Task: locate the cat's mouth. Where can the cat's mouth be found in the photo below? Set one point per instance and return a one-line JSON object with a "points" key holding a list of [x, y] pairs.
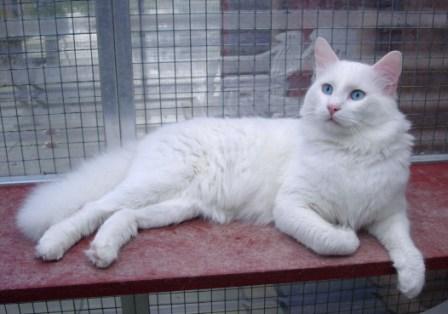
{"points": [[332, 120]]}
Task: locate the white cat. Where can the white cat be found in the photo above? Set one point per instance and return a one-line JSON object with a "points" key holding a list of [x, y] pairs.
{"points": [[342, 166]]}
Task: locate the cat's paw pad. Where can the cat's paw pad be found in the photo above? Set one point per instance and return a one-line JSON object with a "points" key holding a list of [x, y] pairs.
{"points": [[411, 280], [101, 255], [49, 250]]}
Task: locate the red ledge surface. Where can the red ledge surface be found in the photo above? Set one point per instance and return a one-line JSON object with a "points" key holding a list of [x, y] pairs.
{"points": [[198, 254]]}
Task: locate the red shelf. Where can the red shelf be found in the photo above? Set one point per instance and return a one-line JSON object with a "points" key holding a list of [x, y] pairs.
{"points": [[198, 254]]}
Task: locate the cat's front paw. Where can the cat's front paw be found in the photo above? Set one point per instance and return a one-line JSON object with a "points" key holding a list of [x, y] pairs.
{"points": [[101, 255], [341, 241], [348, 242], [411, 278]]}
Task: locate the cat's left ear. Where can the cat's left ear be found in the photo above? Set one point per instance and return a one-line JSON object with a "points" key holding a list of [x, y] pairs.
{"points": [[389, 69], [324, 56]]}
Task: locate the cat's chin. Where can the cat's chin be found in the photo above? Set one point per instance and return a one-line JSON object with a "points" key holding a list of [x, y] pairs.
{"points": [[335, 127], [332, 121], [326, 124], [334, 124]]}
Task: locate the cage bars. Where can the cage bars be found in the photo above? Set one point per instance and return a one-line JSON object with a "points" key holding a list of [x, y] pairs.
{"points": [[115, 56]]}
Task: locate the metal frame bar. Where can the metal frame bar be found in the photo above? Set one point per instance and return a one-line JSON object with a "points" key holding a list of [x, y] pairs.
{"points": [[19, 180], [115, 63], [106, 56], [124, 74], [22, 180], [135, 304], [429, 158], [439, 309]]}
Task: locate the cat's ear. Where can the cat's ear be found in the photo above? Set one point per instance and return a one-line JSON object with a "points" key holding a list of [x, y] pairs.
{"points": [[389, 70], [324, 56]]}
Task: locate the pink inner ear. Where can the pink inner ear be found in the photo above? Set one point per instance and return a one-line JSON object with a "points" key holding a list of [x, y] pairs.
{"points": [[324, 56], [389, 68]]}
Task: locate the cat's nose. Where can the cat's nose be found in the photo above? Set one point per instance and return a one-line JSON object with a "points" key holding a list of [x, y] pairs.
{"points": [[332, 108]]}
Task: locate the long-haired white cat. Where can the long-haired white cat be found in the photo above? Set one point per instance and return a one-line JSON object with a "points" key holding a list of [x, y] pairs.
{"points": [[342, 166]]}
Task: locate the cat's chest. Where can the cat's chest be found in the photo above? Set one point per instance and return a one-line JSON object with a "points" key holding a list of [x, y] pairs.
{"points": [[344, 189], [343, 180]]}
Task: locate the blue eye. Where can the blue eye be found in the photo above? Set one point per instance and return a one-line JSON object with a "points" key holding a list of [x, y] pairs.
{"points": [[357, 94], [327, 89]]}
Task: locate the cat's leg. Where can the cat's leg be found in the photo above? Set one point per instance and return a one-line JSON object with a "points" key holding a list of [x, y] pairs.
{"points": [[124, 224], [63, 235], [152, 178], [307, 227], [393, 232]]}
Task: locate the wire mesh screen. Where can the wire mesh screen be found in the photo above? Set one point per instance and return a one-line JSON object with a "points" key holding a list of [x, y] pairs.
{"points": [[193, 58], [242, 58], [106, 305], [373, 295], [50, 105]]}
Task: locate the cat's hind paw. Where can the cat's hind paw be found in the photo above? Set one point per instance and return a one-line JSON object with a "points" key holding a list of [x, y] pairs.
{"points": [[101, 256], [49, 250]]}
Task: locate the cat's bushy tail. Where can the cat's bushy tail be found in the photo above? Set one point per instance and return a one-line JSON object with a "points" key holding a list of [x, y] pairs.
{"points": [[51, 202]]}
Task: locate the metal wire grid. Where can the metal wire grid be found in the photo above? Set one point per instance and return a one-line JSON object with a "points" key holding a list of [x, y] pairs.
{"points": [[200, 58], [375, 295], [51, 115], [173, 61], [241, 58], [106, 305]]}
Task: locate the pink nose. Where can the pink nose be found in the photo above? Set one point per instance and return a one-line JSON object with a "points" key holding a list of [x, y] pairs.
{"points": [[332, 108]]}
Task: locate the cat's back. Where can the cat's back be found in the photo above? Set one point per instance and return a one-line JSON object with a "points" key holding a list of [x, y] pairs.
{"points": [[222, 135], [236, 165]]}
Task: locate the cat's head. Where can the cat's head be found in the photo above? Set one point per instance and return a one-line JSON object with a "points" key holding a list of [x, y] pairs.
{"points": [[347, 96]]}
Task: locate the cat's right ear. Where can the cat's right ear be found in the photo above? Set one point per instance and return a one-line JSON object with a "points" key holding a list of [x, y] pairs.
{"points": [[324, 56]]}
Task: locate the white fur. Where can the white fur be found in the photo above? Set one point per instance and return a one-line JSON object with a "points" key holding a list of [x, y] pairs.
{"points": [[318, 179]]}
